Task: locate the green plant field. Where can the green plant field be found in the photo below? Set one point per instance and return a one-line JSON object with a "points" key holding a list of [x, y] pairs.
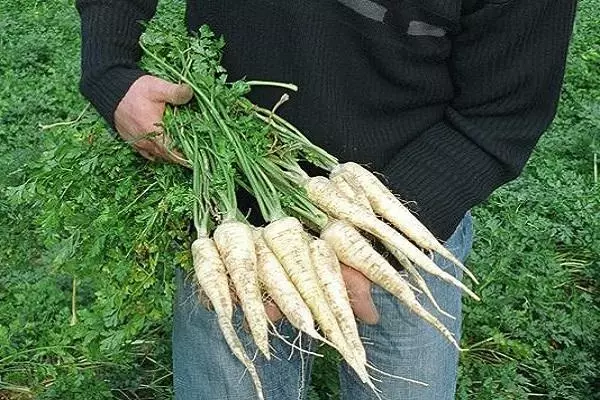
{"points": [[90, 235]]}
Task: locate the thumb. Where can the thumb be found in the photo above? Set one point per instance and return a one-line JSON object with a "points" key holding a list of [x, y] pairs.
{"points": [[359, 292], [176, 94]]}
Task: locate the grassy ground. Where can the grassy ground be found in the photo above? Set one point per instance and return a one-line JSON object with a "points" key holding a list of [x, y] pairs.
{"points": [[76, 217]]}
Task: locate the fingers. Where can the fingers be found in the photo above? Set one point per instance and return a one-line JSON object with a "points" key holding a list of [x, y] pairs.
{"points": [[164, 148], [176, 94], [158, 146], [139, 114], [162, 91], [273, 311], [146, 155], [359, 292], [148, 149], [168, 152]]}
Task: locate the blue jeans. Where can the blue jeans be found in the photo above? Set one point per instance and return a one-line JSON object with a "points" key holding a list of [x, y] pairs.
{"points": [[400, 344]]}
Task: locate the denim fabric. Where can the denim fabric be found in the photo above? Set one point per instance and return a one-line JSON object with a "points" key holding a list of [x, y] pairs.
{"points": [[404, 345], [400, 344]]}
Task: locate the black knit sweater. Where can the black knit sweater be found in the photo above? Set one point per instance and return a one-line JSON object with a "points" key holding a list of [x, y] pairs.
{"points": [[446, 98]]}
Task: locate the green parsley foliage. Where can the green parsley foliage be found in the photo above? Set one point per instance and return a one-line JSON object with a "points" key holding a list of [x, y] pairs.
{"points": [[80, 209]]}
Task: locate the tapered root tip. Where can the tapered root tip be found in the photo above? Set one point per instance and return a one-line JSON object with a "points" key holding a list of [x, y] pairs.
{"points": [[471, 294], [455, 343], [444, 313], [437, 306], [450, 338], [462, 286], [371, 366], [447, 254], [451, 279], [469, 273]]}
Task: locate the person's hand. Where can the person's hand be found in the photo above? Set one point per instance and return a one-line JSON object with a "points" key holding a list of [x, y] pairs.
{"points": [[359, 292], [273, 312], [139, 115]]}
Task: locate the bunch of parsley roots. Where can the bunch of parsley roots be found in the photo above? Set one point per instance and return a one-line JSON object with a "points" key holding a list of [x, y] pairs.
{"points": [[313, 223]]}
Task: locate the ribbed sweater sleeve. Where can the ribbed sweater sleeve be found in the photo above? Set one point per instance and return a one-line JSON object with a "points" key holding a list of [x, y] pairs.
{"points": [[507, 67], [110, 31]]}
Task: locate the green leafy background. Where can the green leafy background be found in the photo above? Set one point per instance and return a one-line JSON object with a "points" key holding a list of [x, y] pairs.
{"points": [[81, 210]]}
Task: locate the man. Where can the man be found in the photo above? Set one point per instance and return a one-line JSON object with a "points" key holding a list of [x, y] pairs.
{"points": [[446, 98]]}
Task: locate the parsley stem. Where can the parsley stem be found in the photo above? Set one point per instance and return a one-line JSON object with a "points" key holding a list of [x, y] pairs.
{"points": [[289, 86]]}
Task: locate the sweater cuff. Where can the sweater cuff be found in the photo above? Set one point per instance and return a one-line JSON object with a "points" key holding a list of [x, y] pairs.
{"points": [[106, 91], [441, 176]]}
